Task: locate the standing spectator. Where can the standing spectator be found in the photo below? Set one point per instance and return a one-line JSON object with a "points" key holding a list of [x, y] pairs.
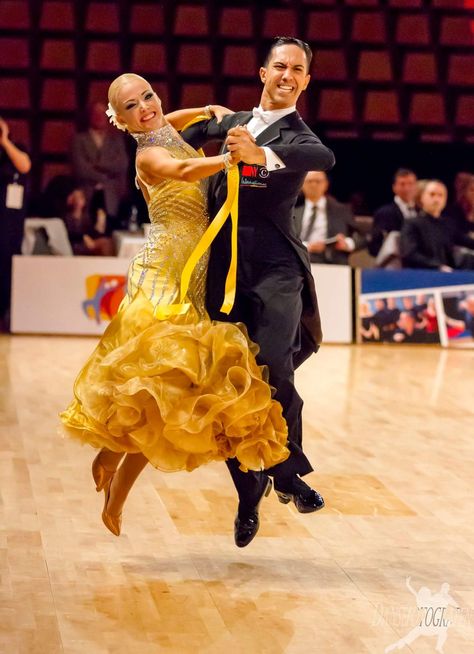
{"points": [[15, 164], [425, 241], [87, 236], [325, 225], [100, 162], [391, 217]]}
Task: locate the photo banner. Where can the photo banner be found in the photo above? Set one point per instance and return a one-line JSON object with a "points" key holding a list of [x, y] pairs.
{"points": [[415, 306]]}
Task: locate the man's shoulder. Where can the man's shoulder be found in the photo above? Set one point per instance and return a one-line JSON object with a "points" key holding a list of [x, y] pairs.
{"points": [[387, 209], [338, 207]]}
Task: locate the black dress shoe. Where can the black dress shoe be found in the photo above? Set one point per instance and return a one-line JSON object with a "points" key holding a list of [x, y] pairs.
{"points": [[247, 522], [305, 498]]}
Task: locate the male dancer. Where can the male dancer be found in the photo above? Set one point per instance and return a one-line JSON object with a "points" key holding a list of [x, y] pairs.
{"points": [[276, 298]]}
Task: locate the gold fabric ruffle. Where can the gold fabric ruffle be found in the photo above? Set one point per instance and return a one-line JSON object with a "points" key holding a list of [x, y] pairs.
{"points": [[183, 391]]}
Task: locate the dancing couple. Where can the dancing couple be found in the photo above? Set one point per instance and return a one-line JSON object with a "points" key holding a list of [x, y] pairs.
{"points": [[198, 364]]}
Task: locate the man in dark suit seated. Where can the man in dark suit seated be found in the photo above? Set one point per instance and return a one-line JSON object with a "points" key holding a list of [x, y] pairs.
{"points": [[275, 296], [391, 217], [426, 241], [325, 225]]}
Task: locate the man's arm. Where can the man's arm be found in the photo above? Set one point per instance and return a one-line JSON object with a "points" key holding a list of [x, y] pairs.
{"points": [[207, 130]]}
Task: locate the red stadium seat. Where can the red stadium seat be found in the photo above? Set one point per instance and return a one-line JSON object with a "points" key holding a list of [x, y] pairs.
{"points": [[58, 94], [243, 97], [14, 14], [19, 131], [375, 65], [58, 55], [465, 111], [149, 58], [235, 22], [56, 136], [97, 91], [461, 70], [197, 95], [191, 20], [368, 27], [381, 107], [15, 53], [427, 109], [409, 4], [51, 170], [240, 61], [413, 28], [323, 26], [450, 4], [147, 19], [102, 17], [275, 18], [103, 56], [57, 16], [362, 3], [330, 65], [456, 31], [14, 93], [419, 68], [336, 106], [194, 60]]}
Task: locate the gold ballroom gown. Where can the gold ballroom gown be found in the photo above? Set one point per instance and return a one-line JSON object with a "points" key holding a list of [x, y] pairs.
{"points": [[180, 388]]}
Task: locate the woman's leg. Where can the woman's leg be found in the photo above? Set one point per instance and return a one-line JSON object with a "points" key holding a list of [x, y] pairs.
{"points": [[104, 466], [123, 481]]}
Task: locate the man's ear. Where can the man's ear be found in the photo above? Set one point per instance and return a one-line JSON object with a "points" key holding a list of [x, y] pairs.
{"points": [[306, 81], [263, 74]]}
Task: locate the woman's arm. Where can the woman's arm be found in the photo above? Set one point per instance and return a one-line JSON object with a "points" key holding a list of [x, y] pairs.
{"points": [[182, 117], [19, 159], [156, 164]]}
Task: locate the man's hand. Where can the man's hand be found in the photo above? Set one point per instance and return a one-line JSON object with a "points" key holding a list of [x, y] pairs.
{"points": [[4, 131], [241, 142], [317, 246], [341, 244], [445, 269]]}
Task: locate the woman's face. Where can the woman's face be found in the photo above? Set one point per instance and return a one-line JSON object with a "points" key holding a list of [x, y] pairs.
{"points": [[138, 107]]}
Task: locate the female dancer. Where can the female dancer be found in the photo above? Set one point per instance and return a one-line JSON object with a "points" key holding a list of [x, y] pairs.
{"points": [[166, 385]]}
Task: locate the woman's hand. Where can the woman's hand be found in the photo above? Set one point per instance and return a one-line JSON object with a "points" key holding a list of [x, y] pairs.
{"points": [[219, 111]]}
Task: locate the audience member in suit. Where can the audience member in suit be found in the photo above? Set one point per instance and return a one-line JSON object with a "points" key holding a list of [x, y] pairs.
{"points": [[15, 165], [100, 162], [391, 217], [460, 214], [426, 241], [321, 217]]}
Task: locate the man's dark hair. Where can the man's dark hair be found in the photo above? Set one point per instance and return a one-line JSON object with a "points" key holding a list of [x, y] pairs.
{"points": [[289, 40], [402, 172]]}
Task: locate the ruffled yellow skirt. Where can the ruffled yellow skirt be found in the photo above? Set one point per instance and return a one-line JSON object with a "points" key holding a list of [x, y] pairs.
{"points": [[182, 391]]}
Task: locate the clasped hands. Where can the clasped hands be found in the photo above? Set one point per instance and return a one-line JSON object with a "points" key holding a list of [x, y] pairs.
{"points": [[242, 147], [320, 246]]}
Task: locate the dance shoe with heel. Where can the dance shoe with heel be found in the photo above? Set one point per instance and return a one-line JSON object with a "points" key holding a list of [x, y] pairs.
{"points": [[100, 474], [247, 520], [304, 497], [112, 522]]}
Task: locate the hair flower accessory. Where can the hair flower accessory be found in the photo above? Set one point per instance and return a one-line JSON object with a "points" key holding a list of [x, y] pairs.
{"points": [[112, 114]]}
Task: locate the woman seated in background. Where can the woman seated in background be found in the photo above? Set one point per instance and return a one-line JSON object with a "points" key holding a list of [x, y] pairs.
{"points": [[87, 236]]}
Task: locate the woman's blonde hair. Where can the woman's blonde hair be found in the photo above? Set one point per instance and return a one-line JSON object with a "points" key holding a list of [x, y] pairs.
{"points": [[118, 83]]}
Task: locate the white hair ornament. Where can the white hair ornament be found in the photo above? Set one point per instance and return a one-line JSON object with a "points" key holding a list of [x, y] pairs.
{"points": [[112, 114]]}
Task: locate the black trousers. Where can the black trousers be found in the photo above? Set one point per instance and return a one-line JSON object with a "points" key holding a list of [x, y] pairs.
{"points": [[269, 303]]}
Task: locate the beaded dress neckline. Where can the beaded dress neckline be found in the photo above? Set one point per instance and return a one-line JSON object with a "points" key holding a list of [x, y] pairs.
{"points": [[161, 136]]}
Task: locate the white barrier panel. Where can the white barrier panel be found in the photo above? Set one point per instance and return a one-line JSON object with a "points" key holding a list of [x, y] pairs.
{"points": [[66, 295], [79, 295], [334, 289]]}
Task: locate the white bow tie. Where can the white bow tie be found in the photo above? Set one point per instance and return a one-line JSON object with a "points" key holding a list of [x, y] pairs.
{"points": [[264, 116]]}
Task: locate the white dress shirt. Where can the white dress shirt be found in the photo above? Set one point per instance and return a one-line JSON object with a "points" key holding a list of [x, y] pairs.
{"points": [[408, 210], [256, 126]]}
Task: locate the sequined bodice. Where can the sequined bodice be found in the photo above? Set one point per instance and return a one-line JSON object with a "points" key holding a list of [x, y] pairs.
{"points": [[178, 217]]}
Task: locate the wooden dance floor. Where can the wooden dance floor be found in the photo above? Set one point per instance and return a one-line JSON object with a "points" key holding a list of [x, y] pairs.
{"points": [[391, 432]]}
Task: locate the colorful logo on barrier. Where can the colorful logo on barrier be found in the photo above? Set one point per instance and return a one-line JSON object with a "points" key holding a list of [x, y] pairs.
{"points": [[104, 294]]}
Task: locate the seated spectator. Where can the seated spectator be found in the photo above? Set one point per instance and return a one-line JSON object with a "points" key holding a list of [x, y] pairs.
{"points": [[88, 238], [100, 162], [325, 225], [460, 216], [426, 241], [390, 217], [15, 164]]}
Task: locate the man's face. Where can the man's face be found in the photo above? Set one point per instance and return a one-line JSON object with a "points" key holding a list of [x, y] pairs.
{"points": [[405, 187], [315, 185], [284, 77], [433, 199]]}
